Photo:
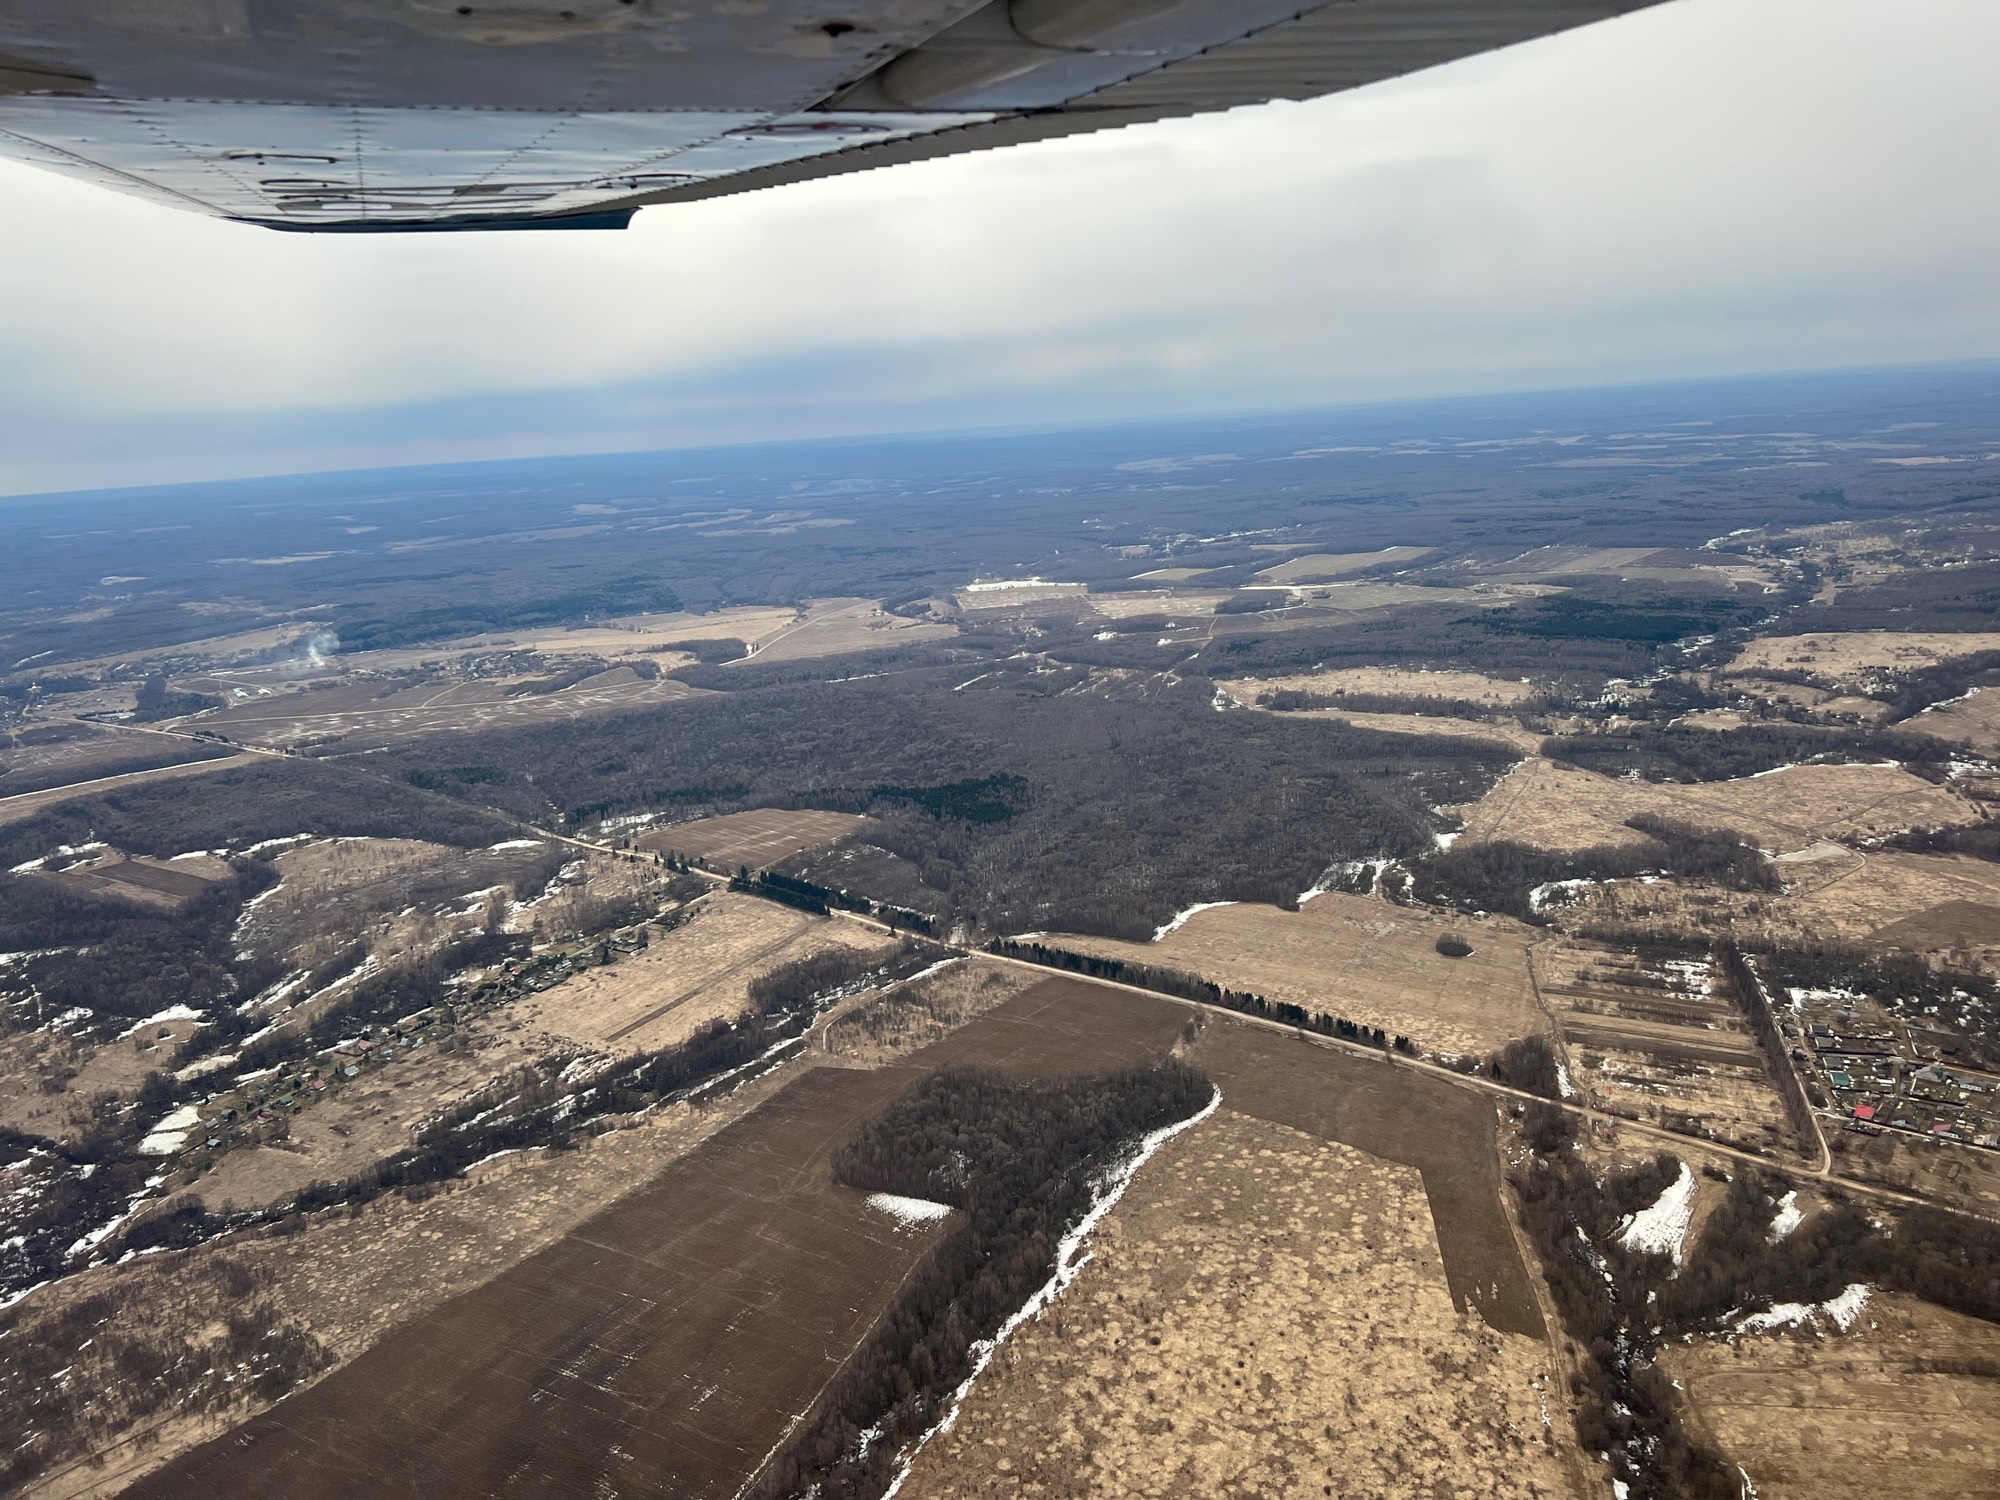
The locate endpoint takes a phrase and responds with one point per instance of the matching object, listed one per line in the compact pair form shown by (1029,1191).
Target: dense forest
(1021,1161)
(1685,753)
(1031,800)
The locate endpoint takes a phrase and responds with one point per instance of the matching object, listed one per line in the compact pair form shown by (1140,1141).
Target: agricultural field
(697,972)
(1360,957)
(1259,1311)
(1932,904)
(835,627)
(768,1272)
(20,806)
(1393,1113)
(1903,1403)
(758,838)
(881,1028)
(1316,567)
(1396,682)
(1663,1042)
(1554,806)
(1972,721)
(165,885)
(360,716)
(1848,658)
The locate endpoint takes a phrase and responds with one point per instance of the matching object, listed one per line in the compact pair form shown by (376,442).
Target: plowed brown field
(664,1345)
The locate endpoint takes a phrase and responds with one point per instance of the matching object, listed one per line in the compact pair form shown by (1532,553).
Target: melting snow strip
(1662,1228)
(1110,1188)
(1176,923)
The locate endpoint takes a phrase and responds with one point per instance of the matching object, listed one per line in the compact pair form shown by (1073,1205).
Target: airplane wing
(373,115)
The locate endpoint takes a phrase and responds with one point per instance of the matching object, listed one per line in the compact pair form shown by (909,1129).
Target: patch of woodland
(556,682)
(1186,986)
(1964,597)
(1655,618)
(1023,1162)
(157,701)
(1625,1406)
(1620,1304)
(1682,753)
(385,618)
(1916,691)
(79,1373)
(115,961)
(237,808)
(1498,876)
(1527,1063)
(1133,807)
(1976,841)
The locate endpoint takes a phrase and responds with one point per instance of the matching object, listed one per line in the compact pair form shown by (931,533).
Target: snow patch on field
(167,1137)
(1555,892)
(1563,1085)
(1176,924)
(506,844)
(909,1213)
(1789,1217)
(1662,1229)
(1841,1311)
(171,1013)
(1110,1188)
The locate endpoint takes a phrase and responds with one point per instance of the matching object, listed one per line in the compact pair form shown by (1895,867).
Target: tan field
(1973,721)
(880,1028)
(697,973)
(1023,593)
(757,838)
(1926,903)
(360,713)
(1904,1404)
(1265,1313)
(372,1117)
(1560,807)
(1177,605)
(1362,958)
(1680,1057)
(47,1082)
(833,627)
(1177,575)
(1501,692)
(1662,565)
(1837,656)
(1317,565)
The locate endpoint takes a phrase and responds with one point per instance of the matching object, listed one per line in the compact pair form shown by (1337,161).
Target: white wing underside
(433,114)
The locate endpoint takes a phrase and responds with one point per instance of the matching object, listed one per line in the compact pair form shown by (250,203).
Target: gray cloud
(1716,186)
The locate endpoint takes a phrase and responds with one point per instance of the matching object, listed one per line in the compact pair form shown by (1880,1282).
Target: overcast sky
(1714,186)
